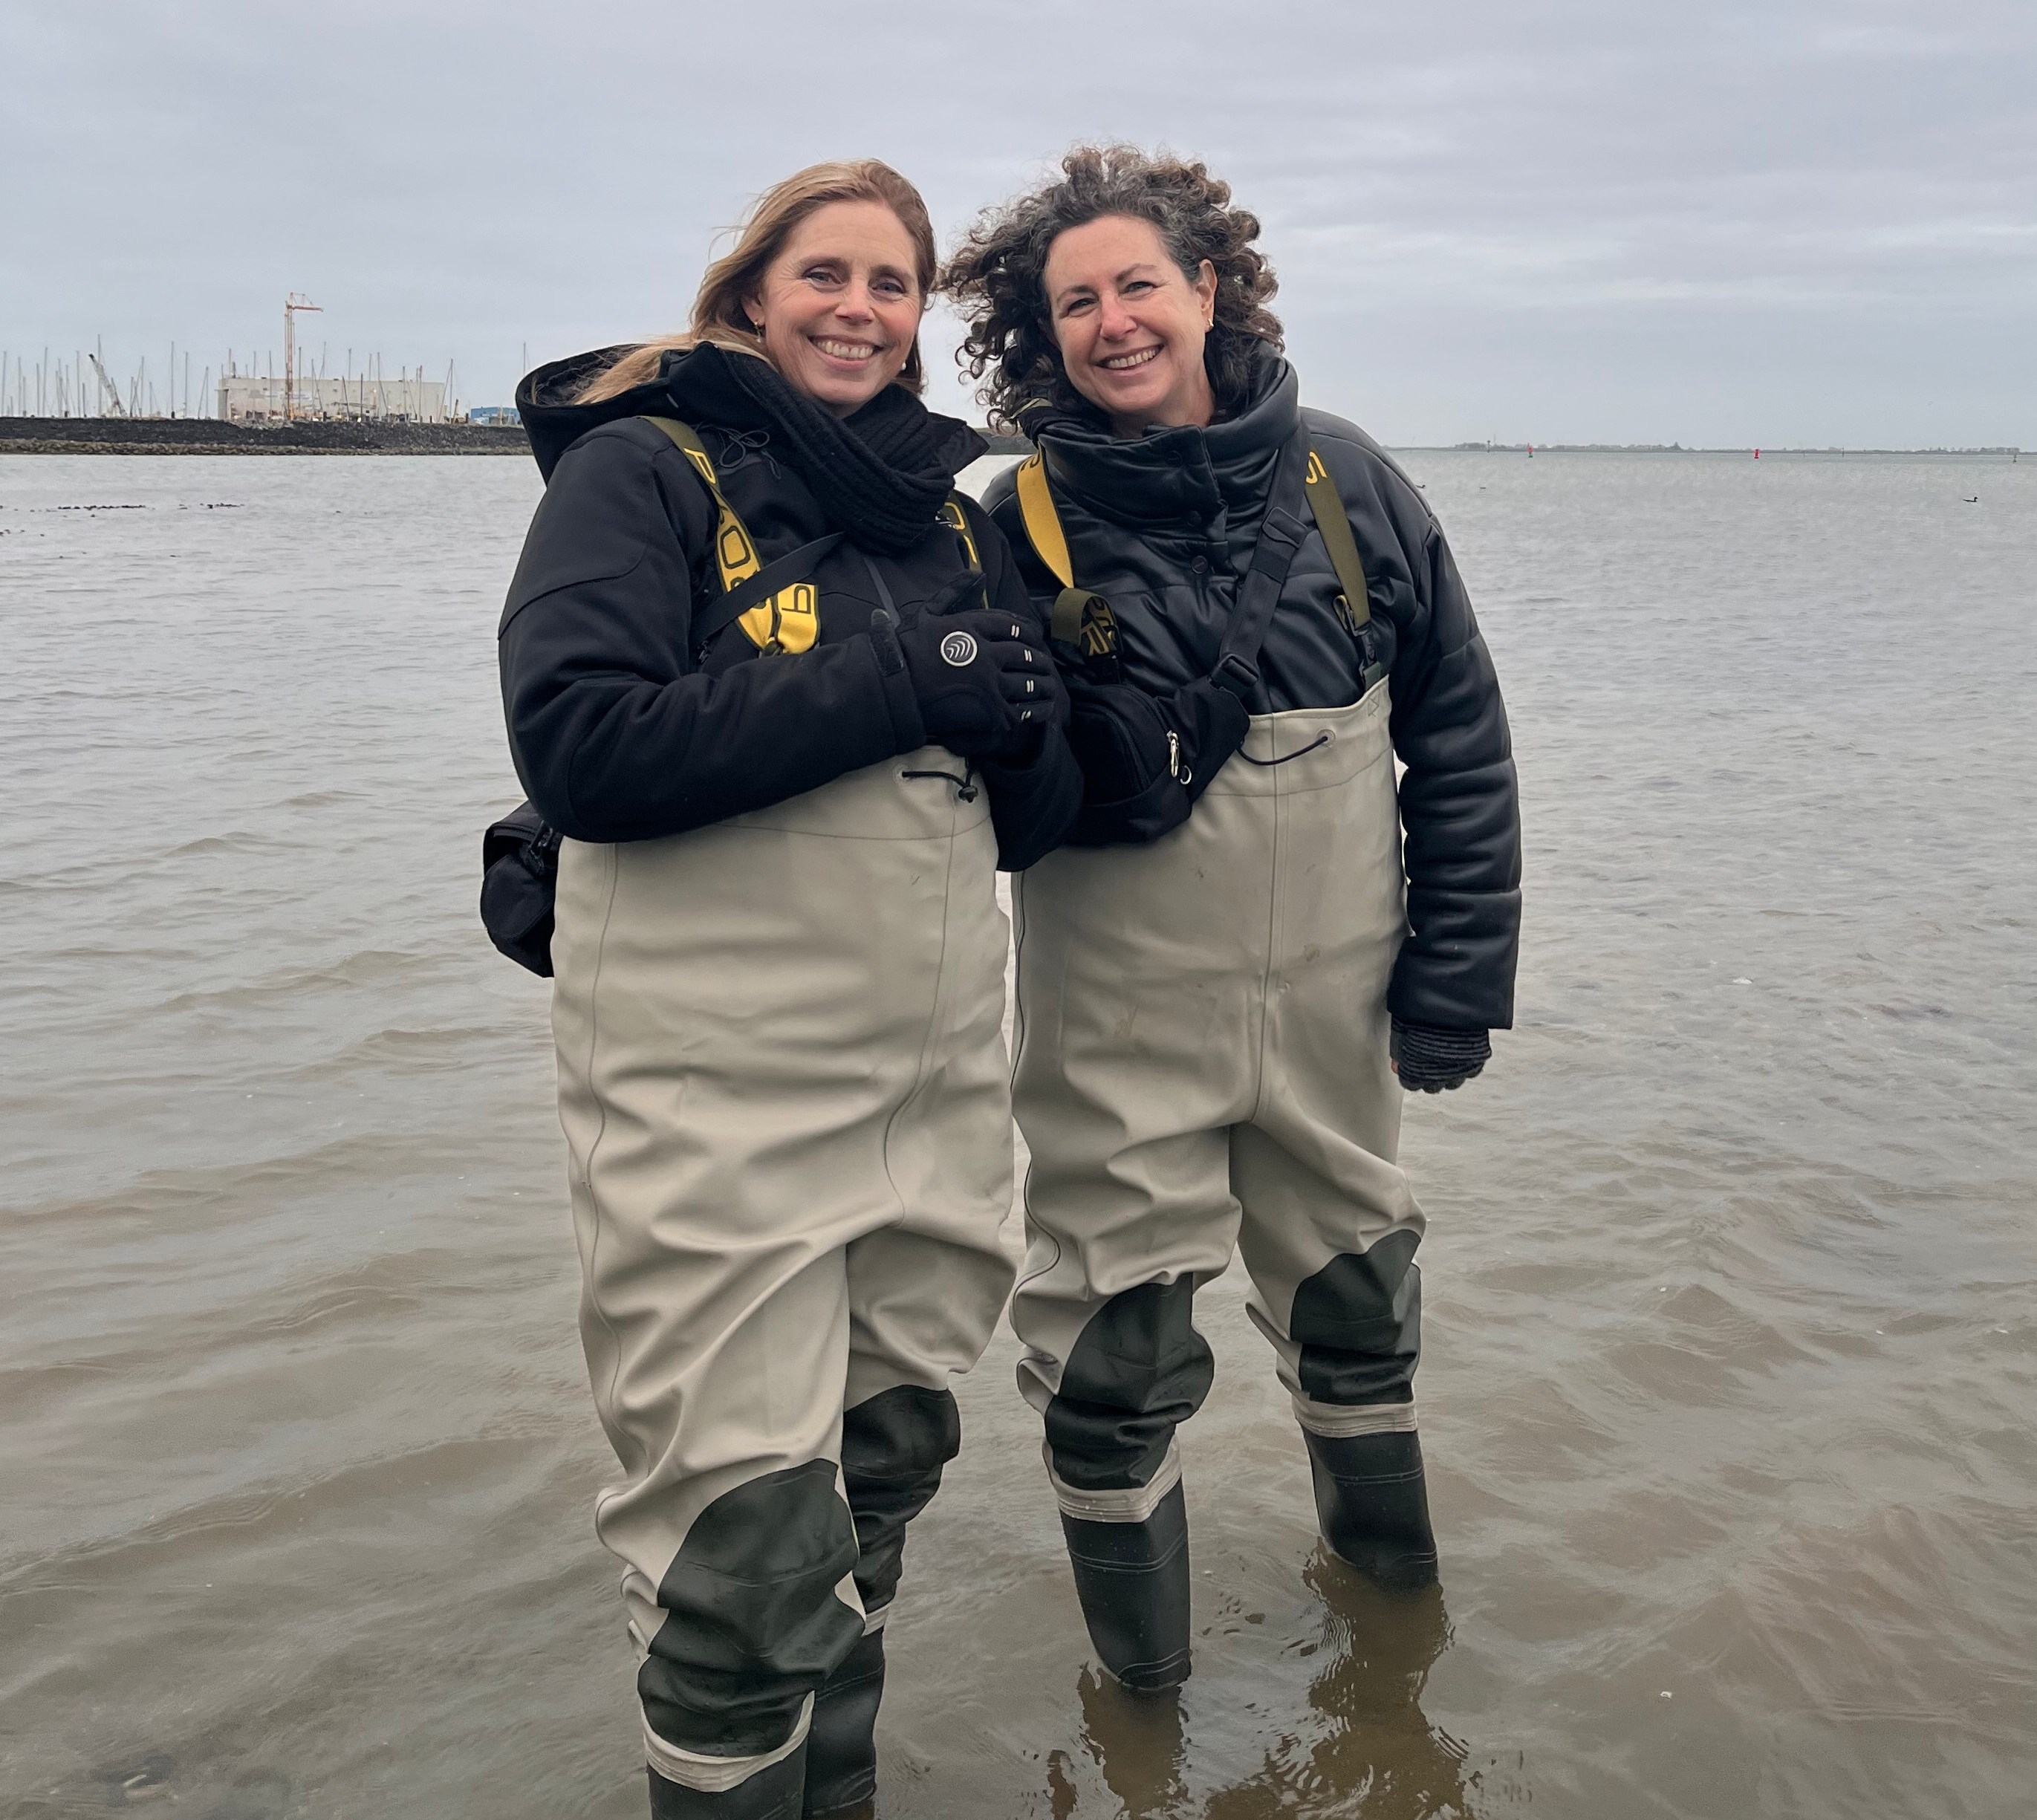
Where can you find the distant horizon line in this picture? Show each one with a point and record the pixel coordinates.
(1703, 448)
(1005, 441)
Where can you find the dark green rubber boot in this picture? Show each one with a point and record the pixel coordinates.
(841, 1743)
(1373, 1506)
(1132, 1579)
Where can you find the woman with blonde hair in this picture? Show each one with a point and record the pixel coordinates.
(1251, 932)
(783, 695)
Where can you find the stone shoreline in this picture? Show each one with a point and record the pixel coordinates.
(206, 435)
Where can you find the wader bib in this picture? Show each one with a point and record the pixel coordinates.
(1203, 1064)
(782, 1082)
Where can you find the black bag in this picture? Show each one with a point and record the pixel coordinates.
(519, 872)
(1146, 758)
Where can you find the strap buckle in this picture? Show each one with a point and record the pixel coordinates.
(1236, 674)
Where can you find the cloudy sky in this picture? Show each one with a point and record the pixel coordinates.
(1798, 221)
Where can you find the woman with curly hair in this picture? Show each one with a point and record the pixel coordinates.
(1222, 975)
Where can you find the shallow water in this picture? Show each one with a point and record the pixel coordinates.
(1731, 1341)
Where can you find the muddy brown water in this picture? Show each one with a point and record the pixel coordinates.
(1728, 1384)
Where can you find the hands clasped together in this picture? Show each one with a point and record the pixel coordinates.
(985, 690)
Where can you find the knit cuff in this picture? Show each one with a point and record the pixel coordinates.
(1427, 1055)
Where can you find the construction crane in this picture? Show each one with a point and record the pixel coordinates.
(293, 305)
(112, 390)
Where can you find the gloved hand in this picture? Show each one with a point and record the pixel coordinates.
(1431, 1061)
(983, 688)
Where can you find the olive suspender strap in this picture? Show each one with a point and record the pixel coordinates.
(1326, 505)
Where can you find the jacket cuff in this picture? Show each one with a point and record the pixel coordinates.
(1015, 764)
(1032, 805)
(1466, 992)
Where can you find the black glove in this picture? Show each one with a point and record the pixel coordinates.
(983, 689)
(1430, 1061)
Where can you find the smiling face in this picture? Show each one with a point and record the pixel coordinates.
(839, 306)
(1130, 324)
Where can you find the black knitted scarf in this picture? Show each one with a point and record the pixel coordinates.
(880, 475)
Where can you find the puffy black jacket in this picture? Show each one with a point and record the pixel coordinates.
(1164, 527)
(619, 729)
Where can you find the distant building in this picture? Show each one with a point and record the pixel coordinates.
(260, 401)
(504, 414)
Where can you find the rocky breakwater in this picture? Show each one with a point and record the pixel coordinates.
(207, 435)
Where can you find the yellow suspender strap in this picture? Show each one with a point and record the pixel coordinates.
(1326, 506)
(790, 619)
(1079, 618)
(956, 520)
(734, 553)
(1043, 523)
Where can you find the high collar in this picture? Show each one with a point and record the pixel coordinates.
(1168, 476)
(880, 475)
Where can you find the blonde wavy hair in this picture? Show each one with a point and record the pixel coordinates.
(719, 316)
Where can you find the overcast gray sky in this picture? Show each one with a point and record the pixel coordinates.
(1580, 220)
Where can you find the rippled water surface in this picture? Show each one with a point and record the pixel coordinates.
(1731, 1340)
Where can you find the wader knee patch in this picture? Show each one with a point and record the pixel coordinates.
(753, 1623)
(1358, 1321)
(1137, 1370)
(893, 1446)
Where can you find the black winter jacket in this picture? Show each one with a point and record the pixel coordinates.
(1163, 528)
(619, 729)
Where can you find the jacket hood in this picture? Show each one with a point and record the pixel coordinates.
(552, 424)
(1170, 474)
(881, 474)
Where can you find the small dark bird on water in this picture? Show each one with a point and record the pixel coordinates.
(1971, 499)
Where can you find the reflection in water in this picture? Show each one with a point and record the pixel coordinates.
(1365, 1750)
(1136, 1740)
(1373, 1754)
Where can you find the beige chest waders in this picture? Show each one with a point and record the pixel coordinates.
(1202, 1065)
(783, 1084)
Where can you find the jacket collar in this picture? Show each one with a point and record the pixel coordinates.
(1167, 476)
(880, 475)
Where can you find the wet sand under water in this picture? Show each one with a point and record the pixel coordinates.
(1731, 1341)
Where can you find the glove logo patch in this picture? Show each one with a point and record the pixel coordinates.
(959, 649)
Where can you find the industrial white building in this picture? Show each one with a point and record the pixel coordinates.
(261, 400)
